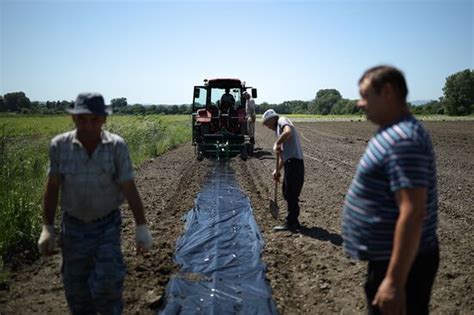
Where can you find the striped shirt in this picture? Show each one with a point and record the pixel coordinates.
(90, 186)
(398, 156)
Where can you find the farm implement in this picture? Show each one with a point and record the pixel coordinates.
(219, 119)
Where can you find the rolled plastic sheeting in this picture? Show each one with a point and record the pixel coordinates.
(219, 254)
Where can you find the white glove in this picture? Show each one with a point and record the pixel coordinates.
(46, 241)
(143, 238)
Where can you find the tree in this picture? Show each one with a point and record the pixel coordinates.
(173, 109)
(260, 109)
(16, 101)
(138, 109)
(2, 105)
(118, 102)
(430, 108)
(459, 93)
(184, 109)
(324, 101)
(340, 107)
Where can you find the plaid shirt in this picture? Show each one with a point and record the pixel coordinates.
(90, 185)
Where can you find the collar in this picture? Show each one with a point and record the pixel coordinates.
(104, 137)
(407, 116)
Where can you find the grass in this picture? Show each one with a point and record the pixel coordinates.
(24, 146)
(311, 117)
(325, 117)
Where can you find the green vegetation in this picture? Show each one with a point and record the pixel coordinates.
(427, 117)
(459, 93)
(18, 102)
(23, 165)
(149, 136)
(326, 117)
(458, 100)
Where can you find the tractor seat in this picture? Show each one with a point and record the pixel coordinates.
(203, 116)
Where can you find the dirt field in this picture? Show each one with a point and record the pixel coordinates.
(308, 272)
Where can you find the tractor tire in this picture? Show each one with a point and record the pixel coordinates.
(250, 149)
(199, 153)
(243, 154)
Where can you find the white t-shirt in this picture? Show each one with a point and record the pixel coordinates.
(250, 108)
(292, 148)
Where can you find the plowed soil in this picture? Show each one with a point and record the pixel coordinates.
(308, 272)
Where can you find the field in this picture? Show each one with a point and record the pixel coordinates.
(23, 163)
(308, 272)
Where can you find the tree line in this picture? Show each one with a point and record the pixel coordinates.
(18, 102)
(457, 100)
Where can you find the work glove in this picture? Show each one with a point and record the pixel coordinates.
(143, 238)
(46, 241)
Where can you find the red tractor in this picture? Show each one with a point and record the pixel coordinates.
(219, 119)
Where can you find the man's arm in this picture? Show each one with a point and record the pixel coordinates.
(390, 297)
(46, 240)
(50, 200)
(143, 236)
(129, 189)
(284, 137)
(280, 163)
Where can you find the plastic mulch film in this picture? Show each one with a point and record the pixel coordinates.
(219, 254)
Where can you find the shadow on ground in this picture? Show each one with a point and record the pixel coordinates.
(322, 235)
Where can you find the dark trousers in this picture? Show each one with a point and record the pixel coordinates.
(292, 183)
(418, 287)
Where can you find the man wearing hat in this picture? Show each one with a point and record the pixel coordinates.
(90, 169)
(290, 155)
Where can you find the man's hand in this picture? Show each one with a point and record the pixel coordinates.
(143, 239)
(276, 175)
(46, 240)
(390, 298)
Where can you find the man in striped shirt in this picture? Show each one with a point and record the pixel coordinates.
(390, 210)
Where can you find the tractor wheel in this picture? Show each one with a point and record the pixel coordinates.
(199, 153)
(250, 149)
(243, 154)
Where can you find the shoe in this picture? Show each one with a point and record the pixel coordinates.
(287, 227)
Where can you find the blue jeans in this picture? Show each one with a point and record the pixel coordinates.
(93, 269)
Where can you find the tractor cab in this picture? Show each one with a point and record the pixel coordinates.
(219, 119)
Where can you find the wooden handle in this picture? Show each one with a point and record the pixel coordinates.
(276, 168)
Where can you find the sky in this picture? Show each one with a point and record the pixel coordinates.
(154, 52)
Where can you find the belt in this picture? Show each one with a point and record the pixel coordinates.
(103, 218)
